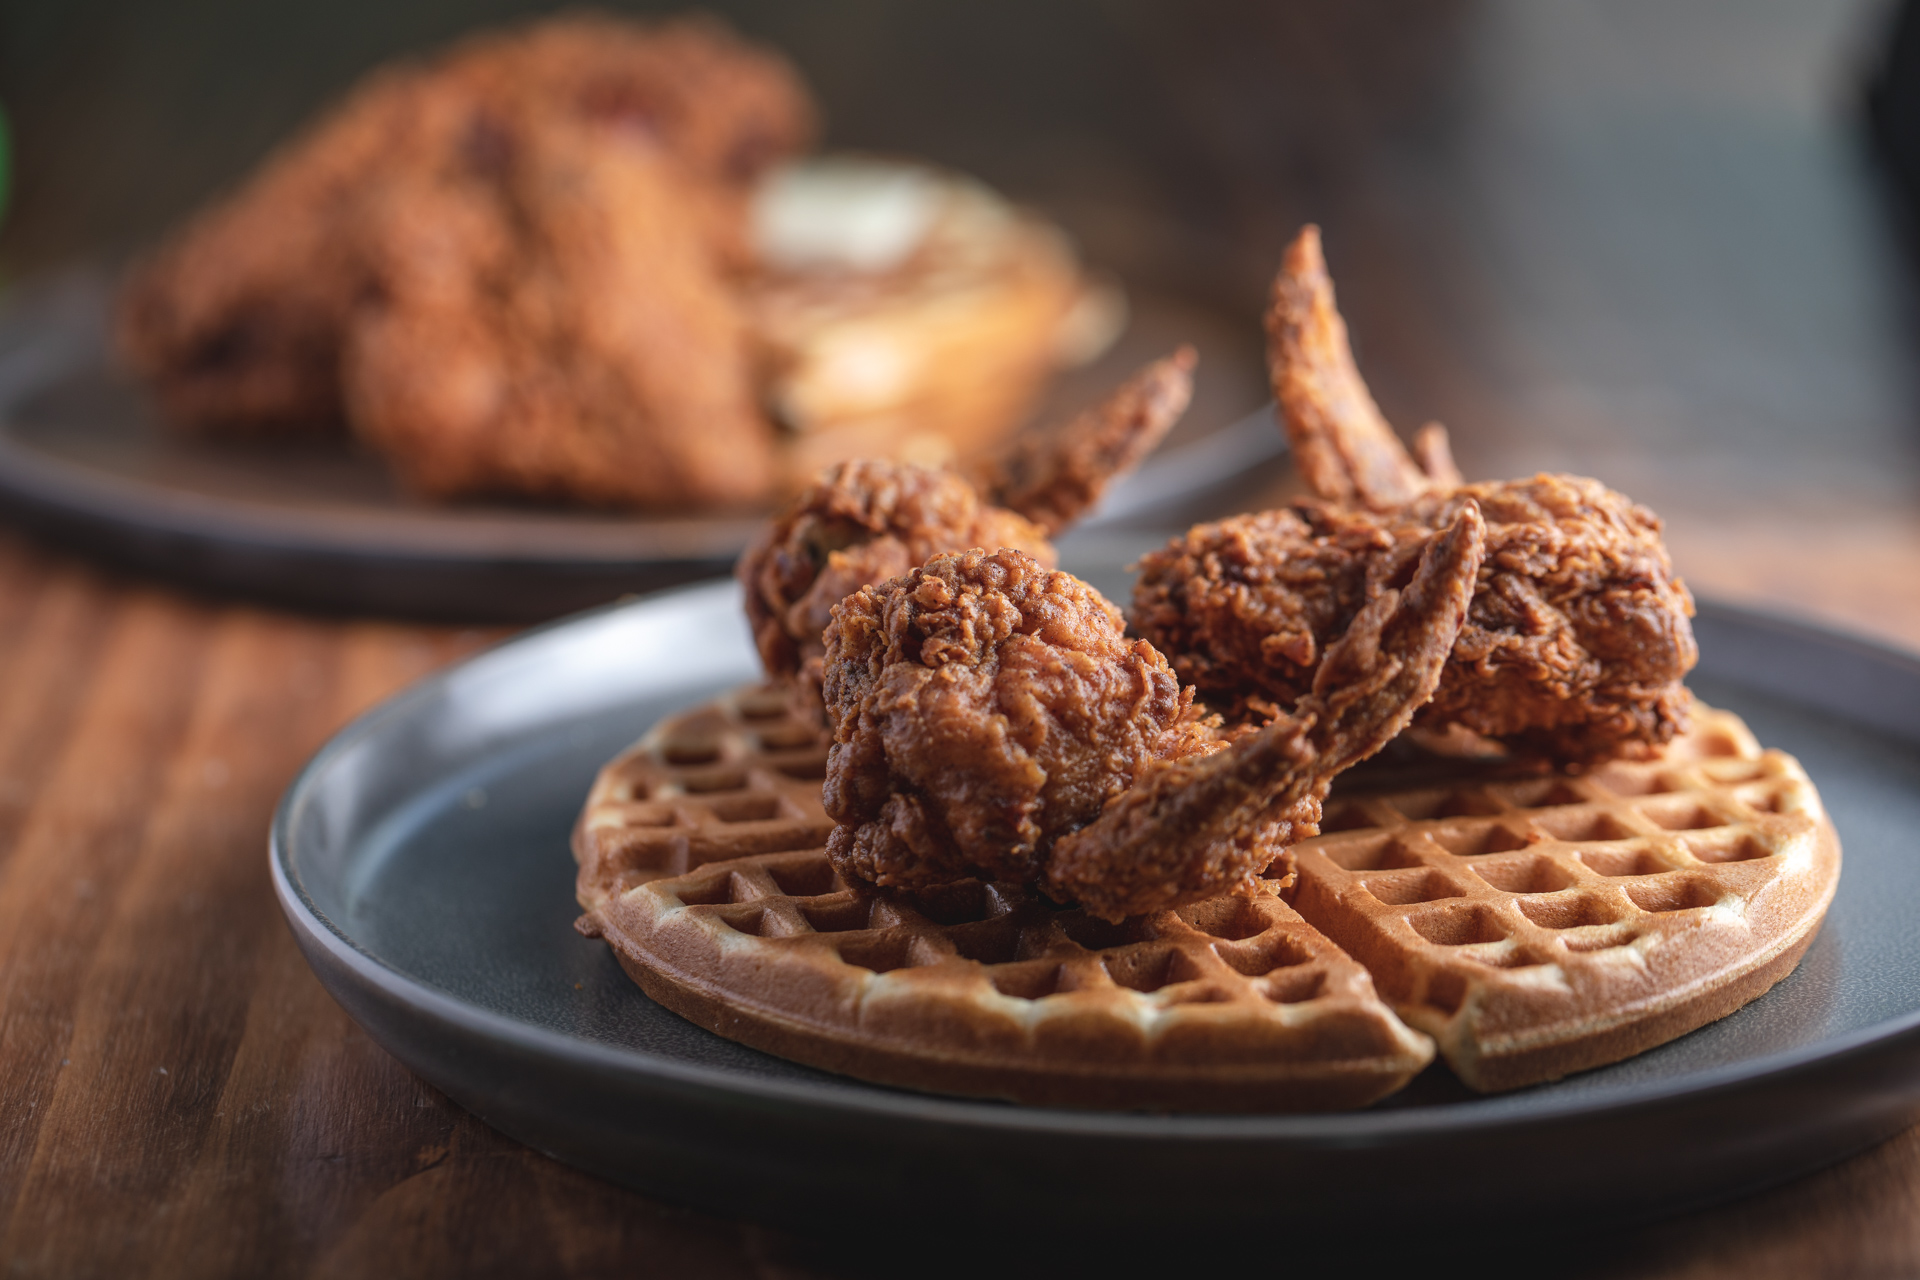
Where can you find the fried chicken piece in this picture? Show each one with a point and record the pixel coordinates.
(991, 718)
(1577, 638)
(237, 323)
(1342, 445)
(730, 110)
(1194, 824)
(547, 324)
(863, 522)
(1573, 648)
(1055, 477)
(981, 705)
(724, 111)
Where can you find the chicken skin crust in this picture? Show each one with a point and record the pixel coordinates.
(1573, 648)
(863, 522)
(516, 250)
(991, 718)
(860, 523)
(981, 704)
(1578, 636)
(1199, 819)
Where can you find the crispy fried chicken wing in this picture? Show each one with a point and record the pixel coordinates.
(1055, 477)
(1574, 646)
(547, 324)
(1577, 638)
(863, 522)
(991, 718)
(238, 323)
(1193, 824)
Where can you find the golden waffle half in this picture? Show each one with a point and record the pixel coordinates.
(1234, 1004)
(1540, 926)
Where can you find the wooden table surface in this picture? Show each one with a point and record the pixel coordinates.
(180, 1096)
(1632, 240)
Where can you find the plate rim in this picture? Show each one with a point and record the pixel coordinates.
(850, 1096)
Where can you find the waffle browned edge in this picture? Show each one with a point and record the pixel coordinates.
(1234, 1004)
(1540, 926)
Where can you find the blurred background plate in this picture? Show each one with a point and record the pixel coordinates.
(320, 524)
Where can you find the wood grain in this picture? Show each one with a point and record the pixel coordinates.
(1633, 241)
(182, 1098)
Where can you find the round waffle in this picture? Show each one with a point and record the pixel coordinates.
(1540, 926)
(1230, 1004)
(1534, 924)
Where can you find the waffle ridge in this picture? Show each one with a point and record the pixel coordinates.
(1539, 926)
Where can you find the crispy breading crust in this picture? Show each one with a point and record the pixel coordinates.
(981, 704)
(1573, 648)
(1194, 825)
(861, 522)
(341, 279)
(1577, 638)
(992, 719)
(1055, 477)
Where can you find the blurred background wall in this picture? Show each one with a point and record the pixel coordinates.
(1168, 137)
(1635, 238)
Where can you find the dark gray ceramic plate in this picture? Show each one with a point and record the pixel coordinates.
(316, 523)
(422, 860)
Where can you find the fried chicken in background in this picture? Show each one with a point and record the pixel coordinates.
(236, 323)
(547, 325)
(1578, 635)
(864, 522)
(991, 718)
(512, 143)
(576, 261)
